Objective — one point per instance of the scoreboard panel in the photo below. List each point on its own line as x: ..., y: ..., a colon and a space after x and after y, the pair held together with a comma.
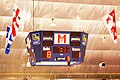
x: 56, y: 47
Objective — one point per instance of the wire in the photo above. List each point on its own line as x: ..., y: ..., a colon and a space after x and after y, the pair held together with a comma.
x: 33, y: 15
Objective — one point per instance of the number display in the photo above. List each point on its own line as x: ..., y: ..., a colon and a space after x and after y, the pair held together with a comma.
x: 76, y: 54
x: 46, y: 54
x: 59, y: 49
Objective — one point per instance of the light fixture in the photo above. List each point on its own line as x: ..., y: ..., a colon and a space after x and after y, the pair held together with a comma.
x: 102, y: 64
x: 52, y: 22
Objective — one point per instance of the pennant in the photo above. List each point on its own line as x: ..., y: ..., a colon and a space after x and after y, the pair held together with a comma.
x: 12, y: 31
x: 110, y: 23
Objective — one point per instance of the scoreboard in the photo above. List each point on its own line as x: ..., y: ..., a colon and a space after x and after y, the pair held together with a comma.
x: 56, y: 47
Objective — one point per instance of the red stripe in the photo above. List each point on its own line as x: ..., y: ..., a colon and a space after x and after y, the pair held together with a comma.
x: 113, y: 15
x: 17, y: 12
x: 13, y: 30
x: 16, y: 24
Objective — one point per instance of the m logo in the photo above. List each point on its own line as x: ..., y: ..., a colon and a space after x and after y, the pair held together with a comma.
x: 61, y: 38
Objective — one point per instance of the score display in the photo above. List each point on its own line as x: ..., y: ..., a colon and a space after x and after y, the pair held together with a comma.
x: 64, y: 50
x: 46, y: 54
x: 58, y: 47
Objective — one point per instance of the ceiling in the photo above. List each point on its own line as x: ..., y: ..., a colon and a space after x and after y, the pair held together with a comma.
x: 69, y: 15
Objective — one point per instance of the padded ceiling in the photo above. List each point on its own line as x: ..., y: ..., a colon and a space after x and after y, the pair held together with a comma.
x: 69, y: 15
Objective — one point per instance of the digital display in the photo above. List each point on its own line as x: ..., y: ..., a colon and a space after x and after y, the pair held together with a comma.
x: 76, y: 54
x: 59, y: 49
x: 76, y: 34
x: 47, y: 43
x: 46, y: 54
x: 48, y: 33
x: 74, y: 43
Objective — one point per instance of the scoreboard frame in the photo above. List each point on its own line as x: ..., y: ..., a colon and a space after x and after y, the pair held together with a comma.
x: 56, y: 48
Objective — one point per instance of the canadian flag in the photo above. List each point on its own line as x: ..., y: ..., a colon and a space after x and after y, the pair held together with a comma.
x: 110, y: 23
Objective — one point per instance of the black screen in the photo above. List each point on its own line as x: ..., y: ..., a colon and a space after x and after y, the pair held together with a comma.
x: 48, y: 33
x: 47, y: 43
x: 44, y: 54
x: 76, y: 34
x: 74, y: 43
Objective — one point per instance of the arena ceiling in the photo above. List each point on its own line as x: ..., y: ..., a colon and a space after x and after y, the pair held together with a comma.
x: 69, y: 15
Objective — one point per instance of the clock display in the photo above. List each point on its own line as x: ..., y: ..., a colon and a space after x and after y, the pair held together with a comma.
x: 62, y: 49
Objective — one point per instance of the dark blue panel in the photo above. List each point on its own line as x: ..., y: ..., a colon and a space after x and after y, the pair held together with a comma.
x: 36, y: 43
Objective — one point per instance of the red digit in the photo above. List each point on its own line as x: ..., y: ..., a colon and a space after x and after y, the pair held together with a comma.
x: 64, y: 49
x: 68, y: 49
x: 60, y: 49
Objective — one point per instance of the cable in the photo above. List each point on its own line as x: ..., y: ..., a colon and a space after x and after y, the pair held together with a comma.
x: 33, y: 15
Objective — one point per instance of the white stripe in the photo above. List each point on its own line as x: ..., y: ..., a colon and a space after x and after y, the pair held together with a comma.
x: 54, y: 63
x: 28, y: 43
